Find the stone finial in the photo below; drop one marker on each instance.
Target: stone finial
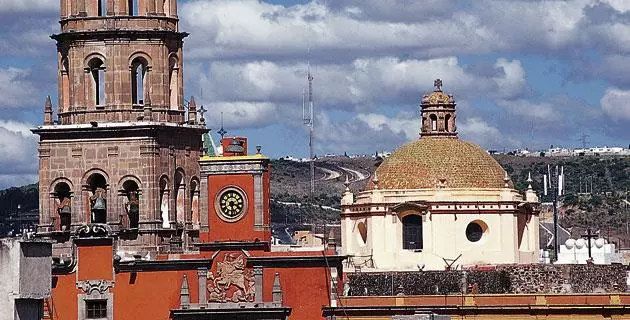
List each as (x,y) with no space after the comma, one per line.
(202,111)
(258,148)
(506,180)
(529,181)
(48,111)
(276,292)
(184,294)
(375,181)
(192,111)
(347,184)
(347,197)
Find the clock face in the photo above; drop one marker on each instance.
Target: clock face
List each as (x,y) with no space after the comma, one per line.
(231,204)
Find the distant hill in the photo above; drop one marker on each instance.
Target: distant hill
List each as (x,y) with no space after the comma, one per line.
(596,188)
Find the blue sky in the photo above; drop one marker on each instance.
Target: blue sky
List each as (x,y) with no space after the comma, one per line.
(525,74)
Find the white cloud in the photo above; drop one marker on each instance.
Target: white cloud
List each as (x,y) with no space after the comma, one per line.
(239,115)
(357,85)
(19,149)
(615,103)
(16,90)
(538,111)
(28,5)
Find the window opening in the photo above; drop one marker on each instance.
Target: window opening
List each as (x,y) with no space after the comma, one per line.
(133,7)
(97,69)
(138,72)
(433,122)
(98,198)
(63,205)
(474,232)
(412,232)
(102,8)
(96,309)
(446,121)
(132,206)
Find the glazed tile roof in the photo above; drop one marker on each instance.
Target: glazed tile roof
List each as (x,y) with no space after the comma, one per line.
(445,162)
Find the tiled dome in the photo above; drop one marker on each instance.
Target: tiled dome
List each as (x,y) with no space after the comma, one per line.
(439,162)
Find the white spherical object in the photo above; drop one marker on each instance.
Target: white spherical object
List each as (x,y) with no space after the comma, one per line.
(580,243)
(600,242)
(570,243)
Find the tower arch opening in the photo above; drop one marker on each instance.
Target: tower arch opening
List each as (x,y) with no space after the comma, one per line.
(97,187)
(96,68)
(434,122)
(173,88)
(139,67)
(131,191)
(63,205)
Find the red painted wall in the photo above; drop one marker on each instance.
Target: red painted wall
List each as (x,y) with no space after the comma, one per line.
(303,289)
(63,302)
(95,262)
(151,295)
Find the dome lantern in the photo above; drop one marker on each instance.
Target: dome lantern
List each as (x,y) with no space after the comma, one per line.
(438,114)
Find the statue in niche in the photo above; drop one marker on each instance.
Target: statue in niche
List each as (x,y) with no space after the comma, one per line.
(64,209)
(99,206)
(133,209)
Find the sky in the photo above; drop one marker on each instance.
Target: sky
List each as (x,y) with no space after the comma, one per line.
(524,73)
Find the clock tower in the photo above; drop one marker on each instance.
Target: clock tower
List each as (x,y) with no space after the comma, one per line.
(236,205)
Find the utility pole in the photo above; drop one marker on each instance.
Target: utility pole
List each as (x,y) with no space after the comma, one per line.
(557,190)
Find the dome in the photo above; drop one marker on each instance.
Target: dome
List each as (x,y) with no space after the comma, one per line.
(437,97)
(439,162)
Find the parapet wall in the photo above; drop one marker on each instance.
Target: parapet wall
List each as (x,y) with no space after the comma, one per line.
(534,278)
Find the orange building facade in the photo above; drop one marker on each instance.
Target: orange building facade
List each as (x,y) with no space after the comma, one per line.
(146,226)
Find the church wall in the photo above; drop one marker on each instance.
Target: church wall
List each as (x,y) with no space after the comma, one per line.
(444,236)
(63,303)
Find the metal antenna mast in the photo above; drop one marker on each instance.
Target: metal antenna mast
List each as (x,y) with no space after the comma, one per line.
(584,139)
(308,120)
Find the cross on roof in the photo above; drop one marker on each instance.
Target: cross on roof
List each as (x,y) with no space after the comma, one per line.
(202,112)
(222,131)
(437,84)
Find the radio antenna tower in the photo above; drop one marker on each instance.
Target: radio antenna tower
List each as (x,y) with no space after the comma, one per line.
(584,139)
(308,120)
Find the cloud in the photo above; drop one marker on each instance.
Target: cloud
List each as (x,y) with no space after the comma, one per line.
(13,6)
(358,85)
(18,160)
(615,104)
(240,114)
(16,89)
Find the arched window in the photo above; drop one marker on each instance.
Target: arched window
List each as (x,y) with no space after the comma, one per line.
(63,204)
(132,205)
(132,6)
(138,73)
(174,82)
(433,122)
(97,188)
(194,202)
(412,232)
(180,195)
(96,67)
(447,119)
(164,203)
(102,8)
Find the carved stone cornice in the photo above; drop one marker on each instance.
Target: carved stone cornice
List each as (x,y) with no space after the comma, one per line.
(90,286)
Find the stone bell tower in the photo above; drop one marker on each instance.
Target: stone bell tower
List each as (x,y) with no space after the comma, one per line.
(123,151)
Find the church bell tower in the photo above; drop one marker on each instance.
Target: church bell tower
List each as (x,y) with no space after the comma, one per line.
(122,153)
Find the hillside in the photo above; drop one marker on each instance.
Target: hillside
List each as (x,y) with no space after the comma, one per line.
(596,188)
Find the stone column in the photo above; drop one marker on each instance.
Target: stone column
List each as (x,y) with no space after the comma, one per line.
(202,276)
(258,201)
(258,284)
(203,205)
